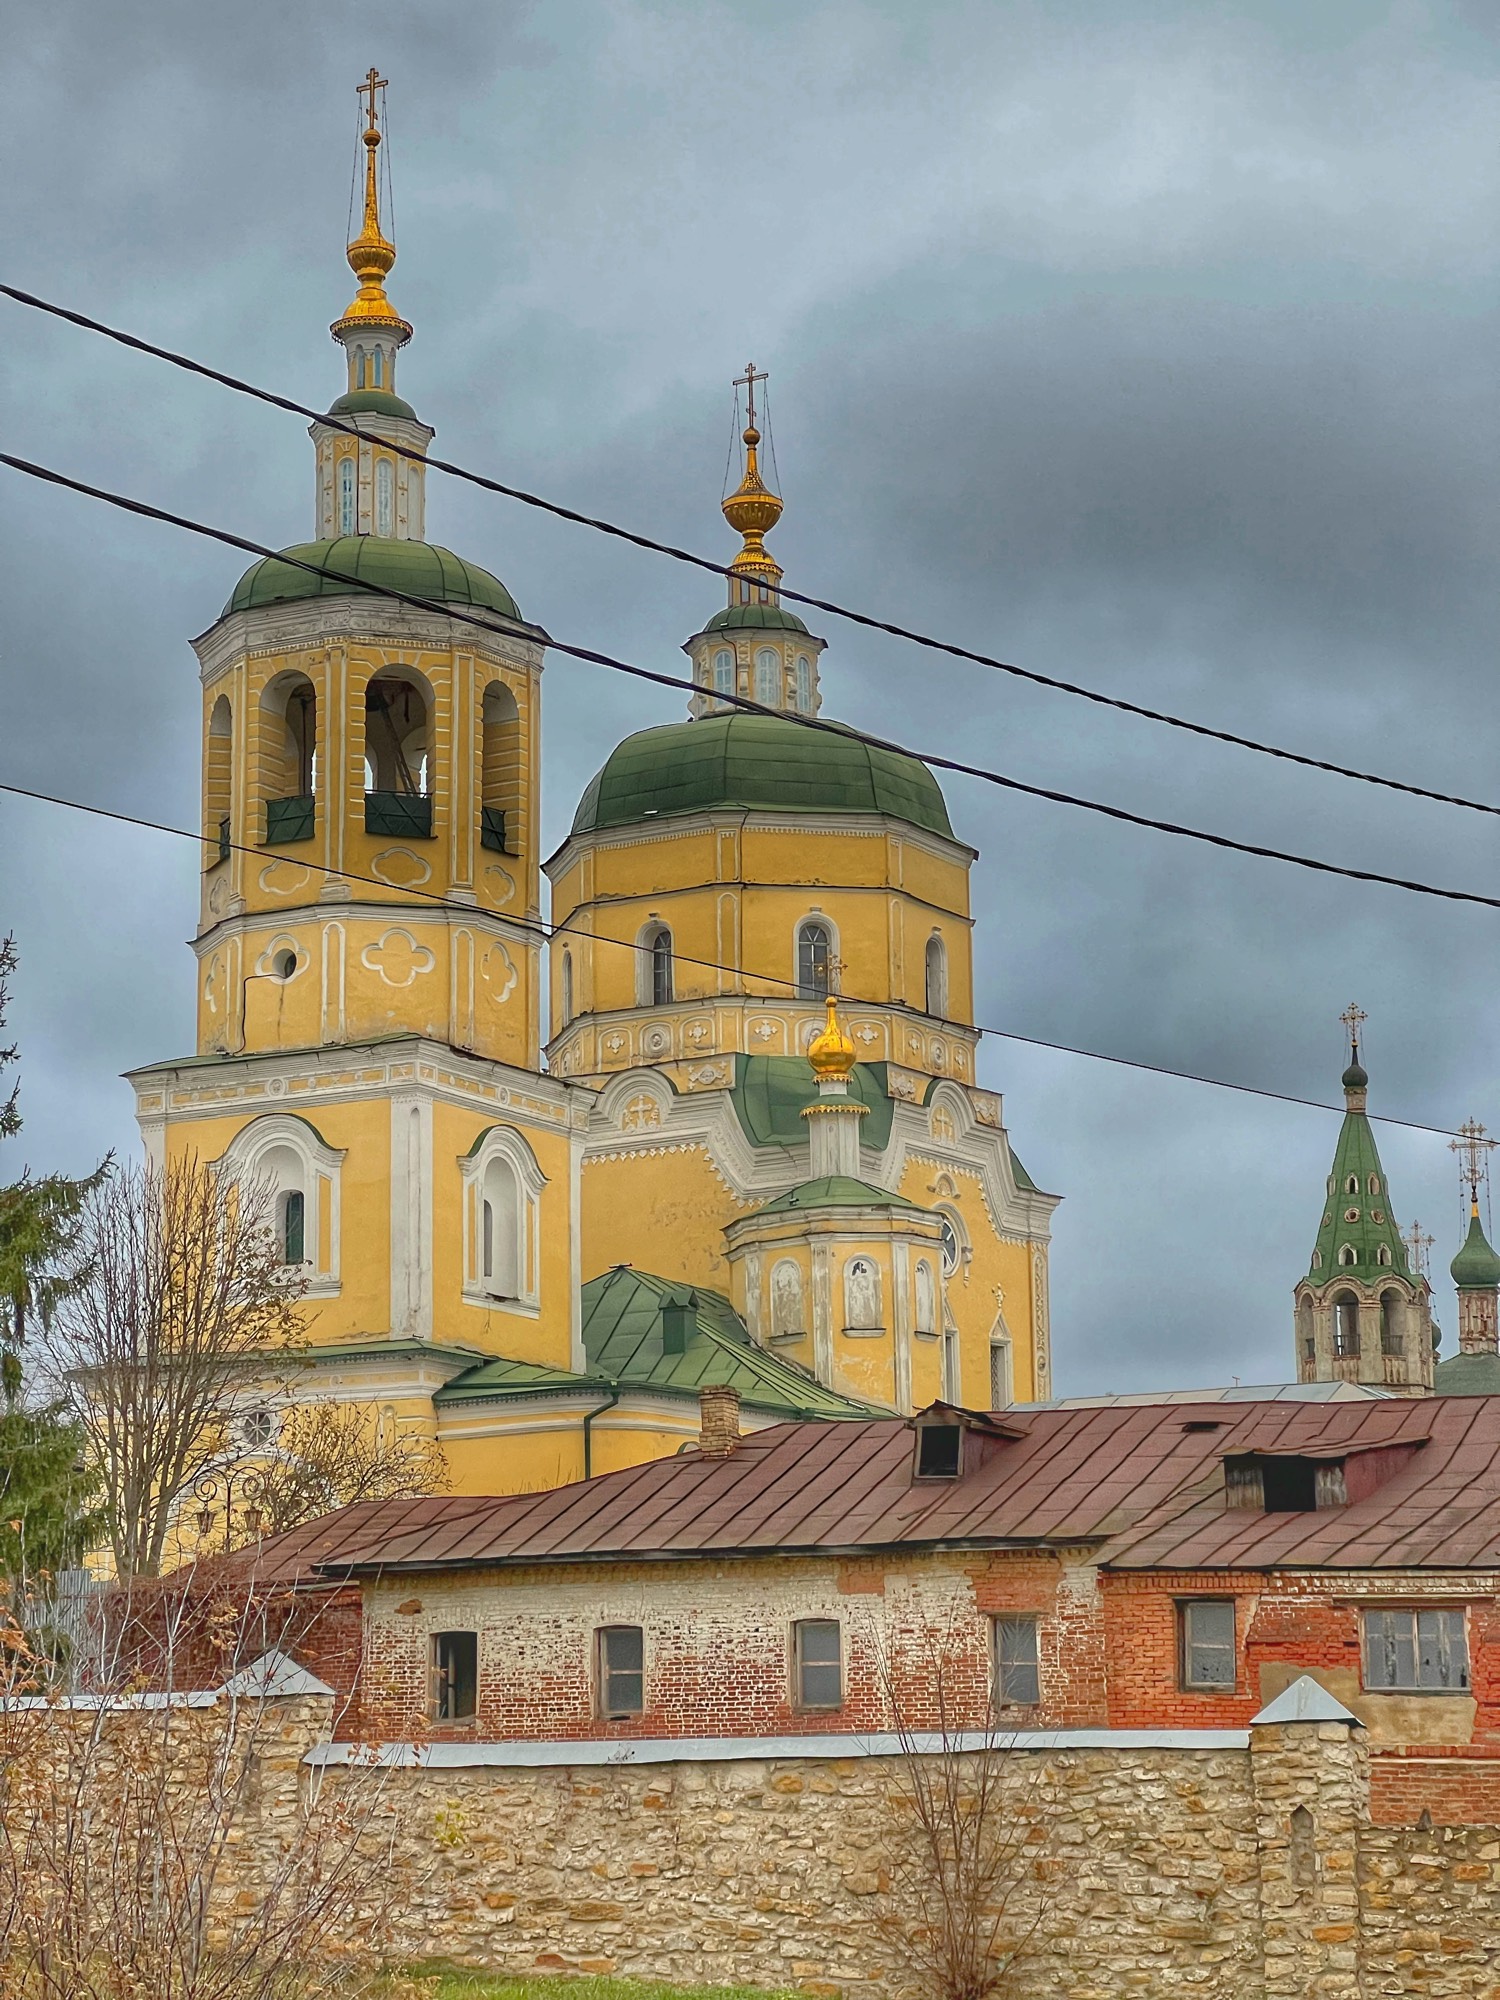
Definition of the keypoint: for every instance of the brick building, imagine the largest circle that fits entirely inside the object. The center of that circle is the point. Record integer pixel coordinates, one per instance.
(1170, 1566)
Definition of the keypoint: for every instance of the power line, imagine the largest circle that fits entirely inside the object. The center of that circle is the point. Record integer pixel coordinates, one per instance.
(546, 932)
(647, 542)
(518, 629)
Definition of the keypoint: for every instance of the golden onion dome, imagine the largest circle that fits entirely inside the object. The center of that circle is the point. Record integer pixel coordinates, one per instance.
(372, 254)
(831, 1053)
(753, 510)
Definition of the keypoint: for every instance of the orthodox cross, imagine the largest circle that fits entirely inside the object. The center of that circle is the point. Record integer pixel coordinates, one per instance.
(1474, 1149)
(373, 81)
(1353, 1018)
(1418, 1242)
(747, 382)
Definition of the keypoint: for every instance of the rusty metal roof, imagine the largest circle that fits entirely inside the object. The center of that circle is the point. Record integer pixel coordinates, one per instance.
(1143, 1482)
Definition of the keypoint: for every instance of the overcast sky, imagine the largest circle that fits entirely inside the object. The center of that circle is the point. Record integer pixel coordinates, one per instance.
(1153, 346)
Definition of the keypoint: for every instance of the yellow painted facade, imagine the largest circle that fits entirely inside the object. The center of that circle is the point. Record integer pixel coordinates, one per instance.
(371, 1033)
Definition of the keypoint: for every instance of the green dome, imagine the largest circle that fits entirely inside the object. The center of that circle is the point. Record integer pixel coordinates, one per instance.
(420, 568)
(757, 761)
(1467, 1375)
(762, 617)
(1476, 1268)
(379, 402)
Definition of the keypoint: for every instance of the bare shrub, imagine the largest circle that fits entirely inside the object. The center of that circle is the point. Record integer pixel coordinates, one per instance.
(171, 1847)
(332, 1454)
(963, 1897)
(181, 1301)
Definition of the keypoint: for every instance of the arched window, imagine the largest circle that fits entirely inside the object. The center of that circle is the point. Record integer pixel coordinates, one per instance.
(953, 1245)
(567, 987)
(814, 954)
(1351, 1186)
(499, 818)
(1317, 1262)
(788, 1314)
(925, 1292)
(379, 371)
(1000, 1375)
(385, 496)
(1345, 1327)
(218, 771)
(804, 684)
(359, 368)
(288, 758)
(1306, 1338)
(661, 967)
(398, 768)
(768, 677)
(1374, 1183)
(1392, 1324)
(291, 1226)
(1348, 1257)
(346, 495)
(861, 1294)
(937, 976)
(1383, 1255)
(724, 672)
(500, 1230)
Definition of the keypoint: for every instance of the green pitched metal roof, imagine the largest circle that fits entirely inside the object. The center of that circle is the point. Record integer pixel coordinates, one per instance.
(1476, 1268)
(1358, 1217)
(1467, 1375)
(501, 1378)
(769, 1093)
(837, 1191)
(1023, 1179)
(759, 617)
(379, 402)
(420, 568)
(767, 761)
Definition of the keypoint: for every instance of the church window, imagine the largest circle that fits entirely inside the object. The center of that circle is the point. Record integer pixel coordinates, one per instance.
(724, 672)
(359, 368)
(926, 1298)
(501, 1219)
(1383, 1255)
(950, 1364)
(284, 965)
(1345, 1327)
(291, 1226)
(500, 776)
(379, 368)
(346, 495)
(937, 976)
(1017, 1679)
(1392, 1330)
(768, 678)
(1000, 1377)
(1351, 1186)
(804, 684)
(861, 1295)
(1374, 1183)
(455, 1675)
(1317, 1262)
(814, 954)
(952, 1246)
(1348, 1256)
(788, 1314)
(661, 967)
(621, 1669)
(258, 1428)
(567, 987)
(385, 497)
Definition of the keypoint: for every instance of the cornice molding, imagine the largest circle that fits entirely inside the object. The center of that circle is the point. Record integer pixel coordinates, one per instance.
(682, 825)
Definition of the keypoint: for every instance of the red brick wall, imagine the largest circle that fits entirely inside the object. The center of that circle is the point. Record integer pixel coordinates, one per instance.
(1454, 1785)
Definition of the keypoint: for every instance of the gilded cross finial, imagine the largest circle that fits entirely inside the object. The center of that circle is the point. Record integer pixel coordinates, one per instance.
(373, 82)
(1353, 1018)
(1418, 1242)
(752, 510)
(747, 382)
(1473, 1149)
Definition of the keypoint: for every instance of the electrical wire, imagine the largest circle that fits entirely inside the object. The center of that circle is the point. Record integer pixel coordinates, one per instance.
(647, 542)
(518, 629)
(536, 928)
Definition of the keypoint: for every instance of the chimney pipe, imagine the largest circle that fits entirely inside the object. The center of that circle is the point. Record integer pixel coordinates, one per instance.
(718, 1419)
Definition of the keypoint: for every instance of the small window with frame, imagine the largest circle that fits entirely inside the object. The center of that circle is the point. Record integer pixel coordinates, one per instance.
(1207, 1644)
(1017, 1677)
(455, 1676)
(621, 1669)
(817, 1663)
(1414, 1651)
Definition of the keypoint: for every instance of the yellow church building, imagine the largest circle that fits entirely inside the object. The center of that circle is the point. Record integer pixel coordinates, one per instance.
(537, 1239)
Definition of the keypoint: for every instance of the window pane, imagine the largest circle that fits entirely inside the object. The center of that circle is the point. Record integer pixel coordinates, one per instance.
(455, 1675)
(1442, 1651)
(622, 1658)
(819, 1681)
(1016, 1660)
(1208, 1644)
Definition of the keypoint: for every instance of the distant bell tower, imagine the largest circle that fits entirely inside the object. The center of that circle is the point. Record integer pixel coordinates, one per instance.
(1475, 1369)
(1363, 1312)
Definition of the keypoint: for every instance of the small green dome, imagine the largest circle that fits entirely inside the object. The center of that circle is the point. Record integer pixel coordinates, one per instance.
(760, 617)
(379, 402)
(754, 761)
(419, 568)
(1476, 1268)
(1355, 1076)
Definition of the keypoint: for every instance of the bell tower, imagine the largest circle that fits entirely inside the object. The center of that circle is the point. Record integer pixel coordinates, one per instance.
(370, 769)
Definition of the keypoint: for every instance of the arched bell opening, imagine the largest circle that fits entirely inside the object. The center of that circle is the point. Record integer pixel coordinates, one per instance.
(218, 782)
(289, 759)
(398, 757)
(500, 776)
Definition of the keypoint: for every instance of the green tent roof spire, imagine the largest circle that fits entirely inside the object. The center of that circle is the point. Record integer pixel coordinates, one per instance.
(1358, 1235)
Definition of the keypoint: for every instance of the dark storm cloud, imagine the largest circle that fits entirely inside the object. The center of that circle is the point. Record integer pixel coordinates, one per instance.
(1149, 344)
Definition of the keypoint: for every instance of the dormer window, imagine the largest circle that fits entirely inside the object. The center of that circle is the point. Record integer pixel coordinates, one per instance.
(939, 1451)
